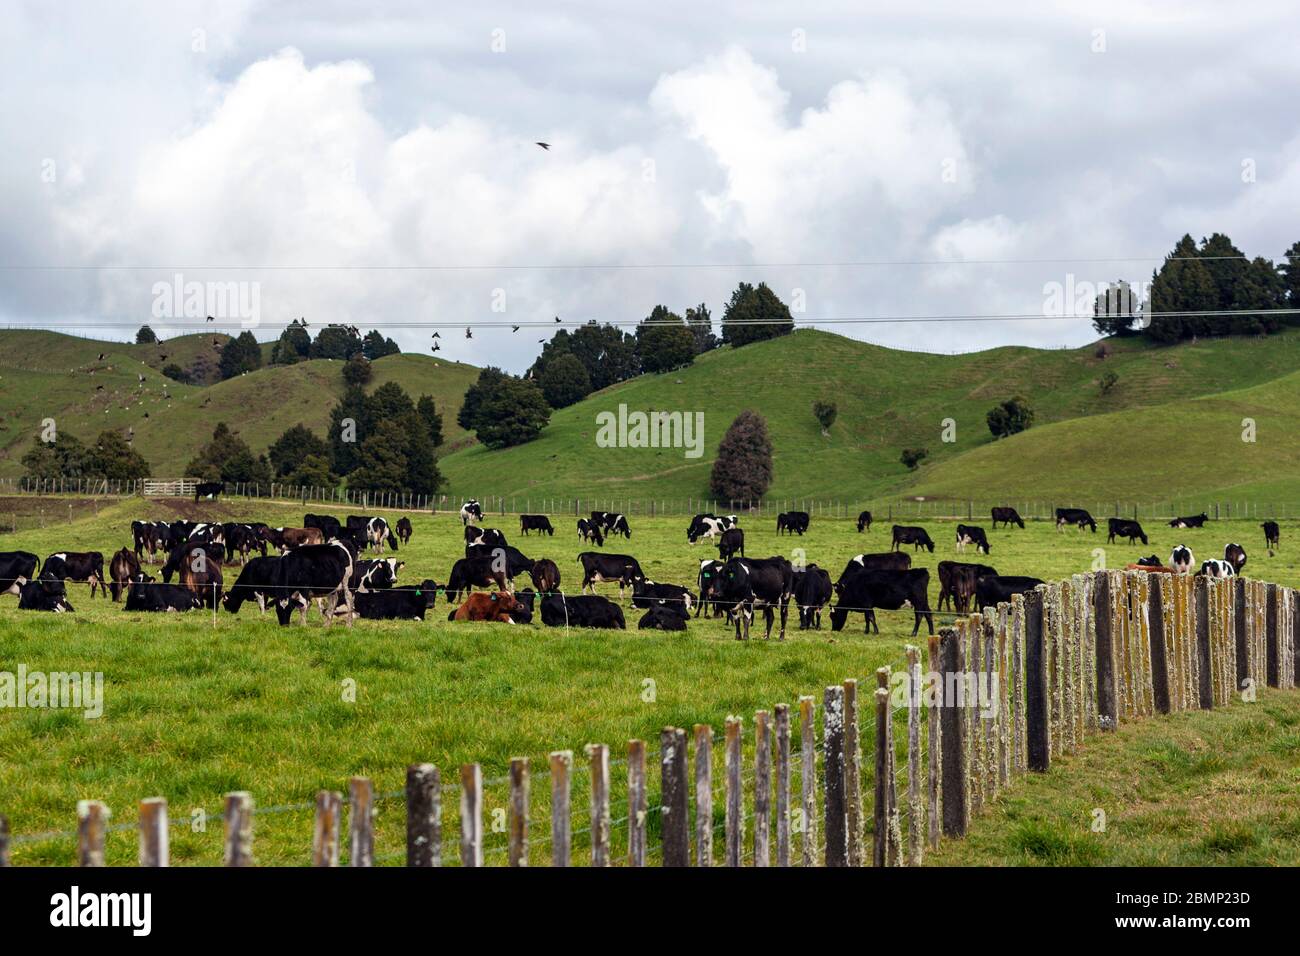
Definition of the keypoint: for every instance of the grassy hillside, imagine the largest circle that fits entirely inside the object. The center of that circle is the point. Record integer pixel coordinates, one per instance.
(887, 400)
(48, 375)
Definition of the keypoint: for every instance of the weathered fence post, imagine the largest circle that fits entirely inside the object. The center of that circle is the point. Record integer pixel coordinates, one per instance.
(423, 816)
(361, 820)
(1037, 704)
(952, 732)
(92, 825)
(561, 826)
(782, 784)
(852, 773)
(1156, 622)
(734, 795)
(471, 815)
(325, 828)
(598, 756)
(836, 835)
(913, 756)
(239, 829)
(1107, 696)
(153, 832)
(762, 789)
(636, 803)
(1205, 687)
(1271, 657)
(703, 795)
(517, 851)
(808, 779)
(4, 841)
(934, 783)
(676, 810)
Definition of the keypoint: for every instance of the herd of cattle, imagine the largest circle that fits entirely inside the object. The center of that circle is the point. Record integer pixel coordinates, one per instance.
(325, 561)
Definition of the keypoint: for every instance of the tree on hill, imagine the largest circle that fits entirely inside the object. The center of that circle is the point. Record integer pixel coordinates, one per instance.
(358, 418)
(743, 469)
(296, 444)
(664, 341)
(700, 323)
(1115, 309)
(227, 457)
(239, 355)
(336, 342)
(512, 413)
(912, 457)
(114, 458)
(375, 346)
(825, 413)
(176, 373)
(431, 417)
(1289, 270)
(1010, 417)
(1183, 284)
(356, 370)
(384, 466)
(607, 353)
(564, 381)
(145, 336)
(293, 345)
(348, 423)
(753, 315)
(65, 457)
(312, 472)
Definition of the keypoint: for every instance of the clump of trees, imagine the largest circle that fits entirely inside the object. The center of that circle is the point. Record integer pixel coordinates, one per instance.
(825, 413)
(607, 354)
(239, 355)
(227, 457)
(504, 410)
(1010, 417)
(145, 336)
(912, 457)
(111, 456)
(332, 342)
(743, 469)
(755, 314)
(384, 441)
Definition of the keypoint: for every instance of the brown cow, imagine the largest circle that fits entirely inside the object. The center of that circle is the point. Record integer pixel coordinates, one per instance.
(484, 606)
(201, 573)
(1150, 568)
(291, 538)
(122, 569)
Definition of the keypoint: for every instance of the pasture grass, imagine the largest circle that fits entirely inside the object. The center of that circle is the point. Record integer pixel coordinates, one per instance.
(197, 706)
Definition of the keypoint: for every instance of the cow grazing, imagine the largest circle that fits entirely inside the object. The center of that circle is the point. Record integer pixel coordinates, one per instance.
(194, 552)
(883, 561)
(1123, 528)
(376, 533)
(957, 584)
(490, 537)
(494, 608)
(16, 569)
(146, 594)
(970, 534)
(865, 590)
(479, 572)
(730, 544)
(208, 489)
(1190, 521)
(916, 537)
(1235, 555)
(546, 575)
(256, 582)
(709, 526)
(328, 524)
(590, 531)
(584, 610)
(513, 561)
(812, 592)
(661, 618)
(538, 523)
(792, 522)
(1180, 559)
(1007, 517)
(864, 521)
(598, 568)
(1215, 568)
(648, 594)
(79, 566)
(992, 589)
(471, 511)
(319, 571)
(1272, 535)
(151, 536)
(615, 524)
(44, 594)
(242, 540)
(750, 583)
(122, 567)
(404, 530)
(1075, 516)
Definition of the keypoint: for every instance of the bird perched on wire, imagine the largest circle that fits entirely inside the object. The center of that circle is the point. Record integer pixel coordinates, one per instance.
(557, 320)
(545, 146)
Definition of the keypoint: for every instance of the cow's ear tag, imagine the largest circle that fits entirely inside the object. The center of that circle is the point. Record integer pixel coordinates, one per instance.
(494, 597)
(418, 592)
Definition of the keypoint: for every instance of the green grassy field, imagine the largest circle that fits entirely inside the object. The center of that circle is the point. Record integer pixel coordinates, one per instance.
(197, 706)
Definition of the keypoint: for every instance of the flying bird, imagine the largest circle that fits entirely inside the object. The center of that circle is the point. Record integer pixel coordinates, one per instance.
(211, 319)
(437, 347)
(514, 328)
(101, 356)
(557, 320)
(436, 335)
(544, 145)
(469, 333)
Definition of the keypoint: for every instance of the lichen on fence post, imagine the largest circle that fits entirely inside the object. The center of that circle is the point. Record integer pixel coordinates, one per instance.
(952, 732)
(561, 824)
(517, 852)
(836, 818)
(934, 748)
(703, 795)
(92, 826)
(423, 816)
(325, 830)
(852, 774)
(637, 803)
(153, 832)
(238, 829)
(762, 788)
(808, 779)
(782, 712)
(675, 809)
(598, 763)
(913, 756)
(1037, 704)
(471, 815)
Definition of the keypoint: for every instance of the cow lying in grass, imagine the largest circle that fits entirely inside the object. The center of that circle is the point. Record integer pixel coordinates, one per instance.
(494, 607)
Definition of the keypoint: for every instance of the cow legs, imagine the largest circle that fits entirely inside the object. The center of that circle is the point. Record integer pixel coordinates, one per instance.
(785, 616)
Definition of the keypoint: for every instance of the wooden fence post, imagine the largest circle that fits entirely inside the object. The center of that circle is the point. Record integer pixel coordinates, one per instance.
(734, 795)
(762, 789)
(808, 779)
(1037, 715)
(361, 822)
(598, 757)
(471, 815)
(852, 773)
(423, 816)
(325, 828)
(92, 825)
(153, 832)
(934, 782)
(1107, 704)
(636, 803)
(1205, 687)
(913, 756)
(1271, 656)
(952, 732)
(517, 851)
(782, 784)
(836, 817)
(672, 788)
(703, 795)
(4, 841)
(1159, 664)
(239, 829)
(561, 827)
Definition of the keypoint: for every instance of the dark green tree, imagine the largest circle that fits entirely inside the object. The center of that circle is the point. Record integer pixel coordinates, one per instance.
(564, 381)
(383, 463)
(292, 447)
(1289, 269)
(336, 342)
(742, 472)
(701, 325)
(227, 457)
(1115, 309)
(293, 345)
(1182, 285)
(753, 315)
(664, 341)
(145, 336)
(488, 380)
(312, 472)
(348, 422)
(431, 417)
(65, 457)
(375, 346)
(239, 355)
(513, 413)
(825, 413)
(1010, 417)
(114, 458)
(176, 373)
(356, 370)
(912, 457)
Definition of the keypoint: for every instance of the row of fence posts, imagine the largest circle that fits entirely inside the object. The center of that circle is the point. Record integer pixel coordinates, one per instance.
(1009, 690)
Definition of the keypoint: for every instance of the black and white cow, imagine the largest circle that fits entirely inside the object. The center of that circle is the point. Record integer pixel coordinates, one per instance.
(471, 511)
(792, 522)
(1123, 528)
(1215, 568)
(584, 610)
(209, 489)
(80, 566)
(647, 594)
(730, 544)
(1272, 535)
(812, 592)
(750, 583)
(1235, 555)
(1075, 516)
(611, 523)
(1007, 517)
(44, 594)
(865, 590)
(709, 526)
(242, 540)
(992, 589)
(1180, 559)
(146, 594)
(404, 530)
(477, 572)
(256, 582)
(588, 530)
(661, 618)
(598, 568)
(374, 575)
(491, 537)
(709, 582)
(1190, 521)
(379, 534)
(538, 523)
(313, 571)
(864, 521)
(970, 534)
(916, 537)
(16, 569)
(328, 525)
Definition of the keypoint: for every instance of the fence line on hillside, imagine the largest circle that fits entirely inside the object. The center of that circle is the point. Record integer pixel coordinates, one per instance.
(888, 510)
(1009, 691)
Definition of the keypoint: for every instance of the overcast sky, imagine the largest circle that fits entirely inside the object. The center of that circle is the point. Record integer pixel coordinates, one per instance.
(325, 154)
